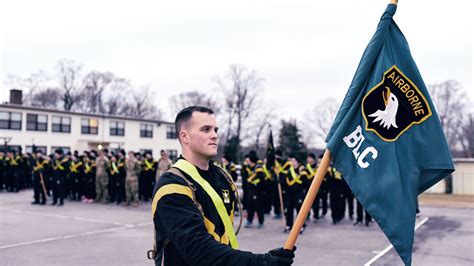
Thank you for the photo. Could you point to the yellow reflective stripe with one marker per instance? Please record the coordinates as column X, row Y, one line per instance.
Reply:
column 114, row 168
column 310, row 169
column 88, row 168
column 255, row 182
column 191, row 170
column 74, row 166
column 169, row 189
column 58, row 165
column 296, row 178
column 268, row 176
column 148, row 166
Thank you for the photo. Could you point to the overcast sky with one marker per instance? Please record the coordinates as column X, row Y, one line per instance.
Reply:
column 305, row 50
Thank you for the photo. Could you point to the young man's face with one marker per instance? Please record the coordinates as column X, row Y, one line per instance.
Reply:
column 310, row 160
column 201, row 134
column 294, row 162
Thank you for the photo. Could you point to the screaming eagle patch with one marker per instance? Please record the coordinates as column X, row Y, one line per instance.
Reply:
column 394, row 105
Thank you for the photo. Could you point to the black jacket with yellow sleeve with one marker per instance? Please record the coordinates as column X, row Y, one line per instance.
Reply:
column 190, row 231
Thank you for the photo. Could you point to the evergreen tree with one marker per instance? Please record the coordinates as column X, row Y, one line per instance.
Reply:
column 290, row 141
column 232, row 149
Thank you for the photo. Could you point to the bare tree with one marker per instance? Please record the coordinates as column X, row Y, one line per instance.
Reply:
column 69, row 77
column 141, row 105
column 115, row 102
column 319, row 121
column 30, row 85
column 49, row 98
column 466, row 136
column 95, row 84
column 451, row 102
column 241, row 88
column 259, row 123
column 185, row 99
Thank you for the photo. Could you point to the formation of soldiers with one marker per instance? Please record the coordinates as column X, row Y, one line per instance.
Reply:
column 128, row 178
column 93, row 176
column 286, row 183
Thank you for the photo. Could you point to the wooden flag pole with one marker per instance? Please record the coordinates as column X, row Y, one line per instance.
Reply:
column 308, row 201
column 282, row 209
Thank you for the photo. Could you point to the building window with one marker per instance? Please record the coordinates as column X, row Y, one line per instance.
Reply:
column 61, row 124
column 8, row 148
column 143, row 151
column 172, row 154
column 171, row 133
column 117, row 128
column 37, row 148
column 146, row 130
column 10, row 120
column 89, row 126
column 65, row 149
column 36, row 122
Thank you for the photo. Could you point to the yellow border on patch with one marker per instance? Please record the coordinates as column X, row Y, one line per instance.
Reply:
column 412, row 123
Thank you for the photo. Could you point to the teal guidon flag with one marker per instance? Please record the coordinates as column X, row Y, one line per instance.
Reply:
column 387, row 139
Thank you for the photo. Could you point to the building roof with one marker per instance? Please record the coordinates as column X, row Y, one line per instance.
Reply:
column 41, row 109
column 463, row 160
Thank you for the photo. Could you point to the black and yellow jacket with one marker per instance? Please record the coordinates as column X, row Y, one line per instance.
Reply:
column 295, row 179
column 187, row 234
column 256, row 178
column 149, row 167
column 231, row 170
column 60, row 168
column 76, row 170
column 281, row 170
column 41, row 166
column 117, row 170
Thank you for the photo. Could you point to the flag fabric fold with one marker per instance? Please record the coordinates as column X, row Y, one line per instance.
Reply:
column 387, row 139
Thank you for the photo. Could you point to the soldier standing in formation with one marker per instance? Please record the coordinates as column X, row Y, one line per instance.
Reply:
column 89, row 175
column 164, row 164
column 131, row 181
column 293, row 191
column 102, row 178
column 255, row 191
column 60, row 167
column 148, row 176
column 39, row 186
column 76, row 177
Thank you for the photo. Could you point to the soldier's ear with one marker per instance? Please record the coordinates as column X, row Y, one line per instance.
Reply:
column 184, row 137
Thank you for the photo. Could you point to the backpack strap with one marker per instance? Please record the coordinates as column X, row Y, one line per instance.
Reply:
column 153, row 254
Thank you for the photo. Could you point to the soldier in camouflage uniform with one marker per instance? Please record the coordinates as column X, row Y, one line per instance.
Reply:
column 102, row 178
column 131, row 181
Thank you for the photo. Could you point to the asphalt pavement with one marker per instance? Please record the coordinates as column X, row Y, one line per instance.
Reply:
column 107, row 234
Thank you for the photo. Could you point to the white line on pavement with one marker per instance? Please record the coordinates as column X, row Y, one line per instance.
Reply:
column 127, row 226
column 387, row 249
column 65, row 217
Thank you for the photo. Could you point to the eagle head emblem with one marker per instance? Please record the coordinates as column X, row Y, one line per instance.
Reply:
column 387, row 117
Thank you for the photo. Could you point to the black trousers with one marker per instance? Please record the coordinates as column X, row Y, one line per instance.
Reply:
column 112, row 187
column 320, row 202
column 255, row 205
column 38, row 195
column 58, row 190
column 119, row 190
column 360, row 212
column 276, row 199
column 74, row 187
column 350, row 204
column 90, row 186
column 267, row 196
column 338, row 205
column 293, row 199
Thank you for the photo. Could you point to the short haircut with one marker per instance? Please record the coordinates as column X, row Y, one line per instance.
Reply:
column 186, row 114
